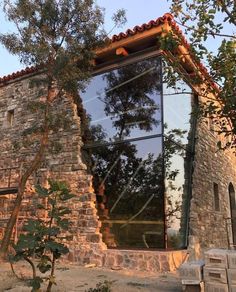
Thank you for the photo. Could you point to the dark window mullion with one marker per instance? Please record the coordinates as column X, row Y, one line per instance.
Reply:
column 163, row 161
column 95, row 145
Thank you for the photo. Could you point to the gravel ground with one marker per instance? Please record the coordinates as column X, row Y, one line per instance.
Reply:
column 72, row 278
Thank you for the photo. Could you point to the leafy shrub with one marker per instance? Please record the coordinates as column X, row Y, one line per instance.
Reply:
column 41, row 243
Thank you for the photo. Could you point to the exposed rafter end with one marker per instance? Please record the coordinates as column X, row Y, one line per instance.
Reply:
column 122, row 52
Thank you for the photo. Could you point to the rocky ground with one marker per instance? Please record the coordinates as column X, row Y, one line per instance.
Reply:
column 71, row 278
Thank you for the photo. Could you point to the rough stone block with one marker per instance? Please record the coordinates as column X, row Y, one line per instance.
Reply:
column 231, row 277
column 190, row 287
column 215, row 275
column 216, row 287
column 216, row 258
column 192, row 271
column 231, row 255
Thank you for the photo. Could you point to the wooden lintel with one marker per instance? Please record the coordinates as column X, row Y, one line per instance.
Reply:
column 122, row 52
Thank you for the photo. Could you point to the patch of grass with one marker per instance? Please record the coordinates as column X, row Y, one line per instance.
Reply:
column 102, row 287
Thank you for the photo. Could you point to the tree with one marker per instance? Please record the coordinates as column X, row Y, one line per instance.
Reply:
column 214, row 21
column 60, row 38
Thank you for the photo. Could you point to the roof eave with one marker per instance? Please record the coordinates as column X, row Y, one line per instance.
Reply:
column 131, row 42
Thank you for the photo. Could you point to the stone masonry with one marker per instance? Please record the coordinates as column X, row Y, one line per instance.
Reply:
column 209, row 226
column 86, row 245
column 63, row 162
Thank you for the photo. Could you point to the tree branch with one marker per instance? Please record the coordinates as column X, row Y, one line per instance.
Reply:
column 226, row 10
column 211, row 32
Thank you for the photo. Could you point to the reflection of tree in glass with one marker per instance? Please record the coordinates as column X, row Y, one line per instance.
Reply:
column 132, row 104
column 122, row 159
column 133, row 183
column 174, row 192
column 142, row 193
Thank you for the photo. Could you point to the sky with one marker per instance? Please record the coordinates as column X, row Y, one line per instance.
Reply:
column 137, row 12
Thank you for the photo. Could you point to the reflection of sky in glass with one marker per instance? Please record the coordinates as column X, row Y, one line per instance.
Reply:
column 152, row 146
column 176, row 195
column 94, row 101
column 177, row 110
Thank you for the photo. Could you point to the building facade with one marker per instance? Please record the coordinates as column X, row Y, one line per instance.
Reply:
column 146, row 172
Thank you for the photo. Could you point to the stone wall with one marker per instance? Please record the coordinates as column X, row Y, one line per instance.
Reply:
column 208, row 225
column 61, row 162
column 17, row 152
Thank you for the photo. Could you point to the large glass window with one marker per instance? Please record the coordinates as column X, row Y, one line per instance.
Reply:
column 135, row 163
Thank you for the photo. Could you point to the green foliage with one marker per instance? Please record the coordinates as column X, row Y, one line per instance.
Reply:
column 169, row 42
column 42, row 238
column 214, row 22
column 62, row 35
column 35, row 283
column 119, row 18
column 102, row 287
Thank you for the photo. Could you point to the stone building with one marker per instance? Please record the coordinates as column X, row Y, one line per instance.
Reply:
column 147, row 174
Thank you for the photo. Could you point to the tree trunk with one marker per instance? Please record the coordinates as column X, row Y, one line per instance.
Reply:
column 21, row 188
column 23, row 179
column 52, row 276
column 11, row 223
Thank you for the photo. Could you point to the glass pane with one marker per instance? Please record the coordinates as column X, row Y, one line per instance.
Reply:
column 125, row 103
column 128, row 180
column 175, row 189
column 177, row 108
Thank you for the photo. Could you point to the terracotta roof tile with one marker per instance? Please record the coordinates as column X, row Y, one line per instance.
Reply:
column 18, row 74
column 146, row 26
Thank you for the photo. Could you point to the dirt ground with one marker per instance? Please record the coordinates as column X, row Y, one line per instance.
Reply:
column 72, row 278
